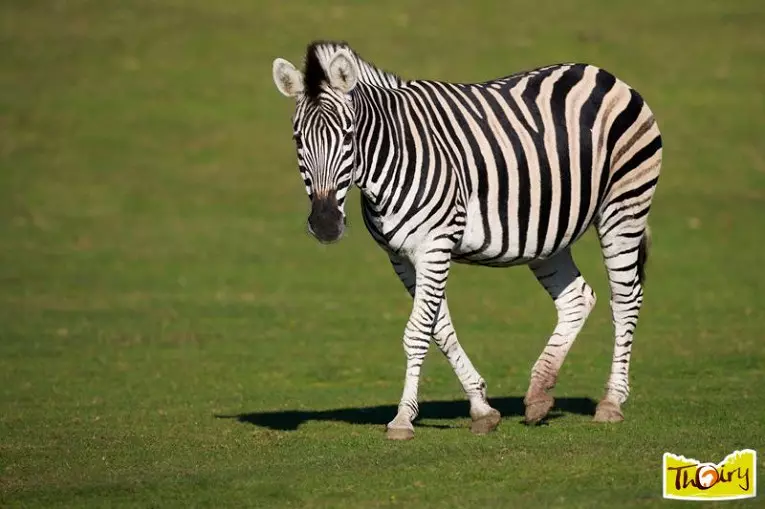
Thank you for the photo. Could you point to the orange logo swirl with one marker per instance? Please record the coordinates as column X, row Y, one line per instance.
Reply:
column 706, row 476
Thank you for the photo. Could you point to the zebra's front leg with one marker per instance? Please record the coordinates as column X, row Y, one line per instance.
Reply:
column 427, row 292
column 484, row 417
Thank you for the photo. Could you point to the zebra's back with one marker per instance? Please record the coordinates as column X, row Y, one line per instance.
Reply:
column 544, row 152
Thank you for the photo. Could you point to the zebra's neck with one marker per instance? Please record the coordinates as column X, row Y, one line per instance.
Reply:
column 380, row 145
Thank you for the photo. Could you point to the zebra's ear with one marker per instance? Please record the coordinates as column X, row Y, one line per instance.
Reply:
column 343, row 72
column 288, row 79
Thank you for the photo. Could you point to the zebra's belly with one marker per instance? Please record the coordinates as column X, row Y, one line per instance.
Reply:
column 493, row 239
column 507, row 258
column 494, row 262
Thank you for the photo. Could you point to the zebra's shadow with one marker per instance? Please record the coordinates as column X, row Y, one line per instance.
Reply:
column 290, row 420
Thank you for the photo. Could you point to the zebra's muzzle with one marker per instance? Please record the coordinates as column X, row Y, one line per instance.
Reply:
column 326, row 221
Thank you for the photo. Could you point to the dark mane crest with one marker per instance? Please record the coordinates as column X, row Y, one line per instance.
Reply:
column 319, row 53
column 314, row 75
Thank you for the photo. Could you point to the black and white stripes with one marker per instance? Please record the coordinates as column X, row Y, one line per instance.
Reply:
column 505, row 172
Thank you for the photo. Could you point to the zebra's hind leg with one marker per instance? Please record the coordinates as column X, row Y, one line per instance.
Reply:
column 485, row 418
column 625, row 251
column 574, row 299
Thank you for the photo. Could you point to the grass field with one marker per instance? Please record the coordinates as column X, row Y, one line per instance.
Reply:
column 171, row 336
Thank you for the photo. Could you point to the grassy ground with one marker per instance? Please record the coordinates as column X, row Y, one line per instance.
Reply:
column 170, row 336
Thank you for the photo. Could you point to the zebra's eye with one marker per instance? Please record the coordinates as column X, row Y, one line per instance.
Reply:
column 298, row 140
column 348, row 139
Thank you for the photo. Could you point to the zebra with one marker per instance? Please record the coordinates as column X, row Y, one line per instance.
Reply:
column 506, row 172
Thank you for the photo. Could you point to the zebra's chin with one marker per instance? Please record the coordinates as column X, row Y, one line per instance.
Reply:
column 326, row 240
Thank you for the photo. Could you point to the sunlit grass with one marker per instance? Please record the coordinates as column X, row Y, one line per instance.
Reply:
column 156, row 277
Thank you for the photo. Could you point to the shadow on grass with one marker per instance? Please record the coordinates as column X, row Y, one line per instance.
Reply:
column 289, row 420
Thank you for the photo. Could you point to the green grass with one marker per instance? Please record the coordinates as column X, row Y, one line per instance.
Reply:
column 155, row 273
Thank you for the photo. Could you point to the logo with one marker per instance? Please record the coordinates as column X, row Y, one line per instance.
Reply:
column 735, row 477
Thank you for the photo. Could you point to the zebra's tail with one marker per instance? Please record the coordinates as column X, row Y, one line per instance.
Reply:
column 643, row 248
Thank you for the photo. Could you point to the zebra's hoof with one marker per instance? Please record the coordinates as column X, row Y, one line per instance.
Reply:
column 608, row 411
column 399, row 434
column 538, row 407
column 486, row 423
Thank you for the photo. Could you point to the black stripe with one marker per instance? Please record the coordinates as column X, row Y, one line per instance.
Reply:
column 545, row 177
column 604, row 82
column 623, row 122
column 503, row 181
column 558, row 106
column 636, row 160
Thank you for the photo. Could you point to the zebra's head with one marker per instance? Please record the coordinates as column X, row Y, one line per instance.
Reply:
column 323, row 131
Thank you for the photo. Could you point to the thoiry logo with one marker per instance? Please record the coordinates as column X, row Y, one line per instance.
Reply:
column 733, row 478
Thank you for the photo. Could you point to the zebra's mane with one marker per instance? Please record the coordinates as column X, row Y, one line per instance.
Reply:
column 317, row 57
